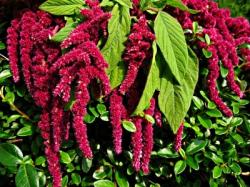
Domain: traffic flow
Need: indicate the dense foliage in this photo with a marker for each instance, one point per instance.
(121, 93)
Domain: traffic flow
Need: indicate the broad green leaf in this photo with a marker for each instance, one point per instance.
(118, 29)
(151, 85)
(101, 108)
(179, 4)
(149, 118)
(245, 160)
(104, 183)
(117, 75)
(2, 45)
(65, 181)
(27, 176)
(214, 113)
(192, 163)
(89, 118)
(4, 75)
(206, 53)
(223, 71)
(236, 122)
(198, 102)
(86, 165)
(65, 31)
(196, 146)
(179, 167)
(205, 122)
(129, 126)
(25, 131)
(64, 157)
(62, 7)
(40, 160)
(10, 155)
(217, 172)
(76, 178)
(167, 153)
(235, 168)
(237, 137)
(174, 99)
(171, 41)
(100, 173)
(121, 179)
(126, 3)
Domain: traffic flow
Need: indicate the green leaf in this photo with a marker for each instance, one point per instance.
(207, 39)
(104, 183)
(171, 41)
(205, 122)
(149, 118)
(76, 178)
(118, 29)
(238, 138)
(179, 167)
(89, 118)
(64, 157)
(40, 160)
(27, 176)
(101, 108)
(174, 100)
(167, 153)
(117, 75)
(198, 102)
(65, 181)
(206, 53)
(223, 71)
(214, 113)
(121, 179)
(179, 4)
(100, 173)
(236, 122)
(151, 85)
(10, 154)
(192, 163)
(2, 45)
(245, 160)
(25, 131)
(86, 165)
(235, 168)
(5, 74)
(129, 126)
(62, 7)
(126, 3)
(65, 31)
(196, 146)
(217, 172)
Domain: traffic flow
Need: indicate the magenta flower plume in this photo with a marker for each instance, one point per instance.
(137, 50)
(12, 42)
(137, 144)
(178, 138)
(116, 118)
(226, 34)
(148, 140)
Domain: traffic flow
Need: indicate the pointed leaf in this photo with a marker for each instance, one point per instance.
(151, 85)
(10, 155)
(27, 176)
(118, 29)
(171, 40)
(174, 99)
(62, 7)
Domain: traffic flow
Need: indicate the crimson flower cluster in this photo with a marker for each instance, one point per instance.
(226, 34)
(136, 53)
(41, 60)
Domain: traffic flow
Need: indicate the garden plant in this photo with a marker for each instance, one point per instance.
(119, 93)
